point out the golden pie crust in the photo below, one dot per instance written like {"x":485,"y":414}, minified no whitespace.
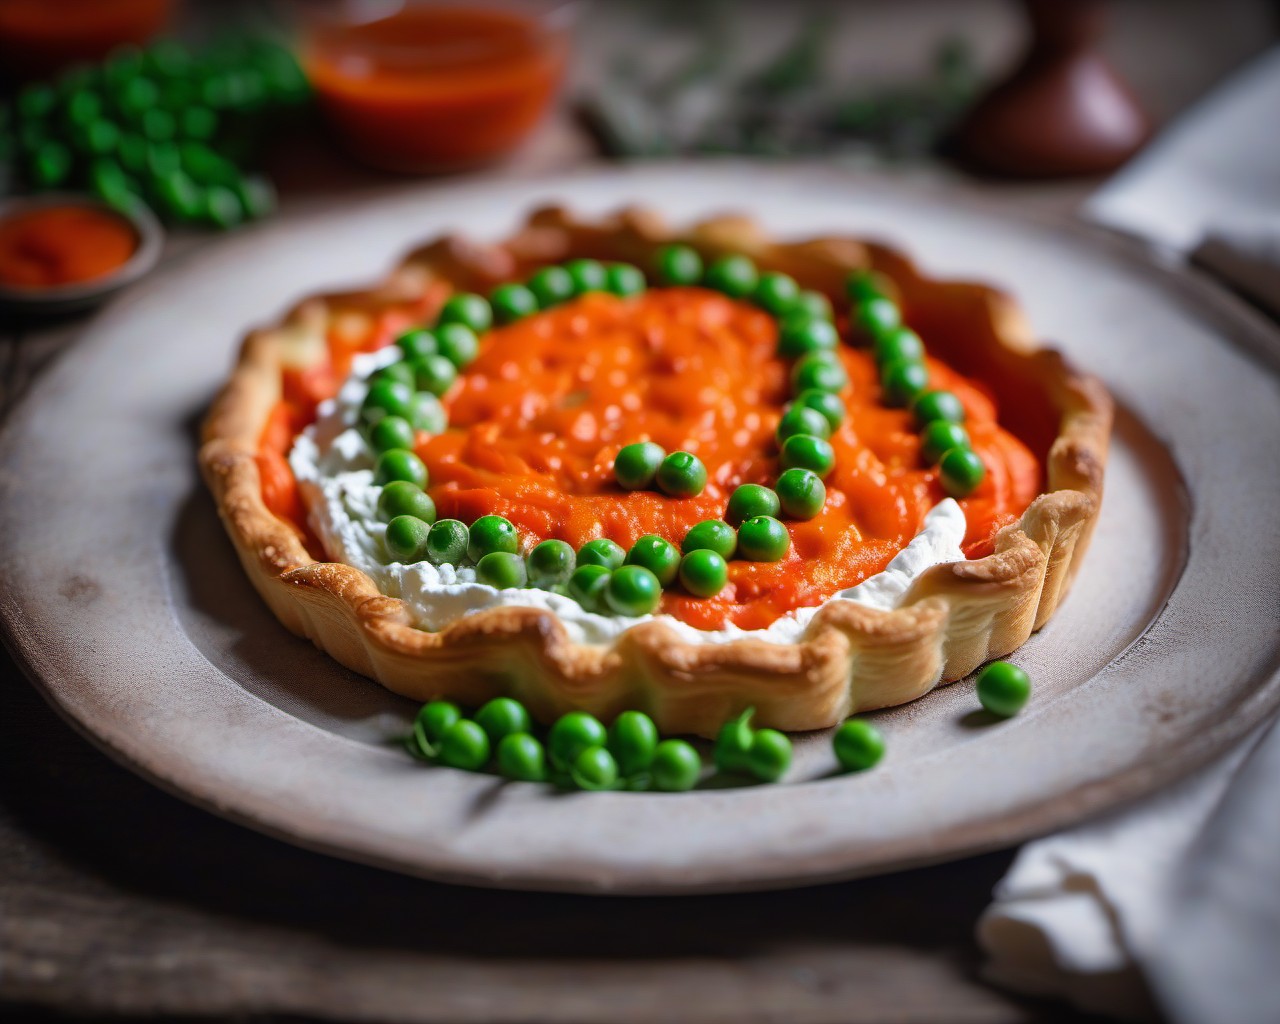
{"x":852,"y":658}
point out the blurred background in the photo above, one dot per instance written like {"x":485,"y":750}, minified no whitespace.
{"x":206,"y":114}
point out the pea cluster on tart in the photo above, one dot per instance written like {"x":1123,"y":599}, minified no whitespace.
{"x":604,"y":466}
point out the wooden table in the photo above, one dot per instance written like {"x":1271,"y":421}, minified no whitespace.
{"x":118,"y":898}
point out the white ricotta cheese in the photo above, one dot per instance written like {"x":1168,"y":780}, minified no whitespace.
{"x":334,"y":468}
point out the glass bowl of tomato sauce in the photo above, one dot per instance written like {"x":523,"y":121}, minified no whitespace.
{"x":424,"y":86}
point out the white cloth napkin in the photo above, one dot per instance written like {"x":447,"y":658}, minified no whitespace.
{"x":1172,"y":907}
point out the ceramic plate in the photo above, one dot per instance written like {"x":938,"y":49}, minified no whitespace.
{"x":123,"y":597}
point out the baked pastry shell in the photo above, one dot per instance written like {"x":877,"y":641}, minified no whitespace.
{"x":851,"y":658}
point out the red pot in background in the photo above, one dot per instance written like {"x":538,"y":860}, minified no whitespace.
{"x":40,"y":37}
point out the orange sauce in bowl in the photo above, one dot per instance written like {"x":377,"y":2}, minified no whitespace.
{"x":60,"y":245}
{"x":435,"y":87}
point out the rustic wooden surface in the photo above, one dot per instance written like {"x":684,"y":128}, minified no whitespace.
{"x":116,"y":898}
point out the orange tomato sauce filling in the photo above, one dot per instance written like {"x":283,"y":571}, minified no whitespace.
{"x":536,"y":421}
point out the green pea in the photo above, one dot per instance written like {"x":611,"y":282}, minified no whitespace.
{"x":100,"y":138}
{"x":657,"y":555}
{"x":877,"y":315}
{"x":136,"y":96}
{"x":602,"y":551}
{"x":736,"y":276}
{"x":862,"y":285}
{"x":636,"y":464}
{"x":36,"y":101}
{"x":418,"y":343}
{"x":899,"y":343}
{"x":830,"y":405}
{"x":751,"y":500}
{"x":491,"y":534}
{"x":681,"y":475}
{"x":221,"y":207}
{"x":133,"y":151}
{"x":402,"y":498}
{"x":769,"y":756}
{"x":391,"y":432}
{"x":800,"y":335}
{"x":84,"y":107}
{"x":1003,"y":688}
{"x":802,"y":421}
{"x":703,"y":572}
{"x":468,"y":309}
{"x":464,"y":745}
{"x":632,"y":740}
{"x":431,"y":722}
{"x":502,"y":570}
{"x":961,"y":472}
{"x":447,"y":542}
{"x":711,"y":535}
{"x":587,"y":275}
{"x":256,"y":194}
{"x":551,"y":563}
{"x":400,"y":371}
{"x":776,"y":293}
{"x":573,"y":733}
{"x":815,"y":304}
{"x":434,"y":374}
{"x":406,"y":539}
{"x":931,"y":406}
{"x":502,"y":717}
{"x":678,"y":265}
{"x":551,"y":286}
{"x":763,"y":539}
{"x":939,"y":437}
{"x":820,"y":370}
{"x":511,"y":302}
{"x":624,"y":279}
{"x":51,"y":165}
{"x":427,"y":414}
{"x":197,"y":123}
{"x":108,"y":181}
{"x":902,"y":381}
{"x":858,"y":745}
{"x":179,"y":196}
{"x":633,"y":590}
{"x":676,"y":767}
{"x":801,"y":492}
{"x":164,"y":158}
{"x":733,"y":744}
{"x":400,"y":464}
{"x":587,"y":586}
{"x":158,"y":125}
{"x":804,"y":451}
{"x":521,"y":758}
{"x":458,"y":343}
{"x":594,"y":769}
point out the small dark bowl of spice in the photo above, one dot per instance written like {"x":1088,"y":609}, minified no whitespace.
{"x":61,"y":253}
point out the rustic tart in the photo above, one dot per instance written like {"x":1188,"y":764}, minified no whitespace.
{"x":606,"y":465}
